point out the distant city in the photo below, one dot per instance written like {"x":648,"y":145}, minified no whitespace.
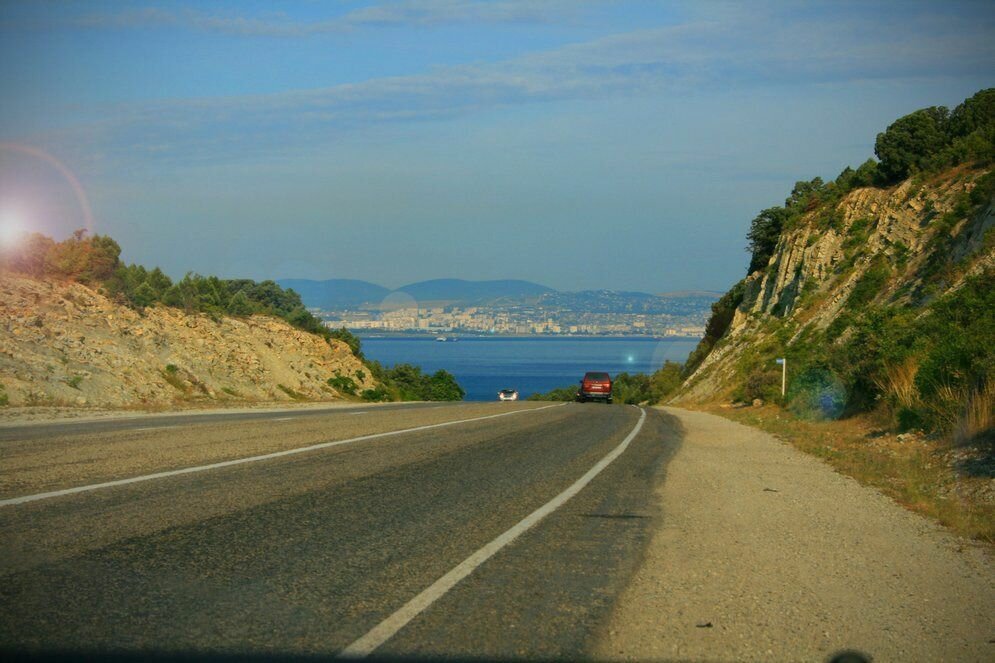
{"x":451,"y":307}
{"x":519,"y":321}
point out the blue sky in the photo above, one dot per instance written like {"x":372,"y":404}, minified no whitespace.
{"x":580,"y":144}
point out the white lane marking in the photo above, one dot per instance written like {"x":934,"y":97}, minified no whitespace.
{"x":152,"y":428}
{"x":386,"y":629}
{"x":249,"y":459}
{"x":284,"y":419}
{"x":355,"y":413}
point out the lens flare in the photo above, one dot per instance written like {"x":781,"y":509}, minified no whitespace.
{"x":12,"y":227}
{"x":817,"y":394}
{"x":81,"y":199}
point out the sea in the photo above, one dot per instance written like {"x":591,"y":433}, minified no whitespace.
{"x":485,"y":365}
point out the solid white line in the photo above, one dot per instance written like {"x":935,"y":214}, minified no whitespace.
{"x":284,"y":419}
{"x":249,"y":459}
{"x":152,"y":428}
{"x":355,"y":413}
{"x":386,"y":629}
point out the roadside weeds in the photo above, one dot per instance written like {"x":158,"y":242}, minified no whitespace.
{"x":954,"y":486}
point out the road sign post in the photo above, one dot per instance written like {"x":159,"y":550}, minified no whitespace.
{"x":783,"y":361}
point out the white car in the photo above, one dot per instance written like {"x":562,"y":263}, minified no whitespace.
{"x":507,"y":395}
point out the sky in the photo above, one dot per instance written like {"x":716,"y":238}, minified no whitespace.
{"x":581,"y":144}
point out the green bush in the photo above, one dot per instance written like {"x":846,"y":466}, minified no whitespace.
{"x":411,"y":384}
{"x":343,"y":384}
{"x":817,"y":394}
{"x":869,"y":284}
{"x":376,"y":395}
{"x":722,"y":314}
{"x":762,"y":384}
{"x":560,"y":394}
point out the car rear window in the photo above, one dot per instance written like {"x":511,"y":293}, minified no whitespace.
{"x":597,"y":376}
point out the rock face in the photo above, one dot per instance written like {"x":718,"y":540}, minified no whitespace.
{"x":816,"y":264}
{"x":66,"y":344}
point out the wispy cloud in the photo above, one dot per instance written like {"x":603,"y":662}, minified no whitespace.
{"x":729,"y":50}
{"x":398,"y":13}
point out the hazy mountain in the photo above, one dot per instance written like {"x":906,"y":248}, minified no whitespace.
{"x":353,"y":294}
{"x":458,"y":290}
{"x":336,"y":293}
{"x":616,"y":301}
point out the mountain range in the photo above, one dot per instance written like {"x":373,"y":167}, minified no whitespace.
{"x":339,"y":294}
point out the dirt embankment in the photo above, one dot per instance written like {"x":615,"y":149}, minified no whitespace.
{"x":66,"y":344}
{"x":765,"y":553}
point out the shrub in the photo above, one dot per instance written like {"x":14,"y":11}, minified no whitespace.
{"x":762,"y":384}
{"x":817,"y":394}
{"x":631,"y":388}
{"x":560,"y":394}
{"x":722,"y":314}
{"x":869,"y":284}
{"x":342,"y":384}
{"x":911,"y":143}
{"x":411,"y":384}
{"x":376,"y":395}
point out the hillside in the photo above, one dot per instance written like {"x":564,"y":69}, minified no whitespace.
{"x":878,"y":288}
{"x":64,"y":343}
{"x":333,"y":294}
{"x":472,"y":292}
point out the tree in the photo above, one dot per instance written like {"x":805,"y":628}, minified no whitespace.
{"x":143,"y":296}
{"x":977,"y":112}
{"x":239,"y":304}
{"x":764,"y":232}
{"x":443,"y":387}
{"x":666,"y":380}
{"x":31,"y":256}
{"x":912,"y":143}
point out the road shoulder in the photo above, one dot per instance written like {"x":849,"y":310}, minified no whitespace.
{"x":764,"y":552}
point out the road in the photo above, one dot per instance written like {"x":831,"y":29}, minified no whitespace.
{"x":307,"y":532}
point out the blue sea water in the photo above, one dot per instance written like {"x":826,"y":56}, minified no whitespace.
{"x":485,"y":365}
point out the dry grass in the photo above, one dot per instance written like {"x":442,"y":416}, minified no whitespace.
{"x":923,"y":475}
{"x":978,"y":418}
{"x":899,"y":383}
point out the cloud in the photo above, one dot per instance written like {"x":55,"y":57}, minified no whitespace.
{"x":721,"y":51}
{"x":399,"y":13}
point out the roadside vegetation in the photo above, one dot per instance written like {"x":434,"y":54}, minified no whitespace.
{"x":925,"y":360}
{"x":632,"y":388}
{"x":405,"y":382}
{"x":899,"y":390}
{"x":948,"y":484}
{"x":95,"y":261}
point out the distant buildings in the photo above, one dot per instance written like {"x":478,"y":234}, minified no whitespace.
{"x":517,"y":320}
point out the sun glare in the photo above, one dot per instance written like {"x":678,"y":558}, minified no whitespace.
{"x":12,"y":227}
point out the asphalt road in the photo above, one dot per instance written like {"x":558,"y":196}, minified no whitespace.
{"x":306,"y":553}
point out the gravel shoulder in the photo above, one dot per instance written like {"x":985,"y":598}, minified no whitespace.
{"x":766,"y":553}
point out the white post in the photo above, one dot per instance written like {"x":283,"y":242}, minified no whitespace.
{"x":784,"y":375}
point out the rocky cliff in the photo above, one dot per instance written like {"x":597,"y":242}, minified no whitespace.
{"x":902,"y":246}
{"x":63,"y":343}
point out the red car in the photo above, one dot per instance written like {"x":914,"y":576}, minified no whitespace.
{"x":595,"y":386}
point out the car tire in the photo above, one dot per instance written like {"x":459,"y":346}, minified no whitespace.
{"x":608,"y":400}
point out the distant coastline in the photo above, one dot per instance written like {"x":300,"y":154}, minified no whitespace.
{"x":414,"y":335}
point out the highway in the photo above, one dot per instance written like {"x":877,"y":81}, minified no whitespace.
{"x":482,"y":530}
